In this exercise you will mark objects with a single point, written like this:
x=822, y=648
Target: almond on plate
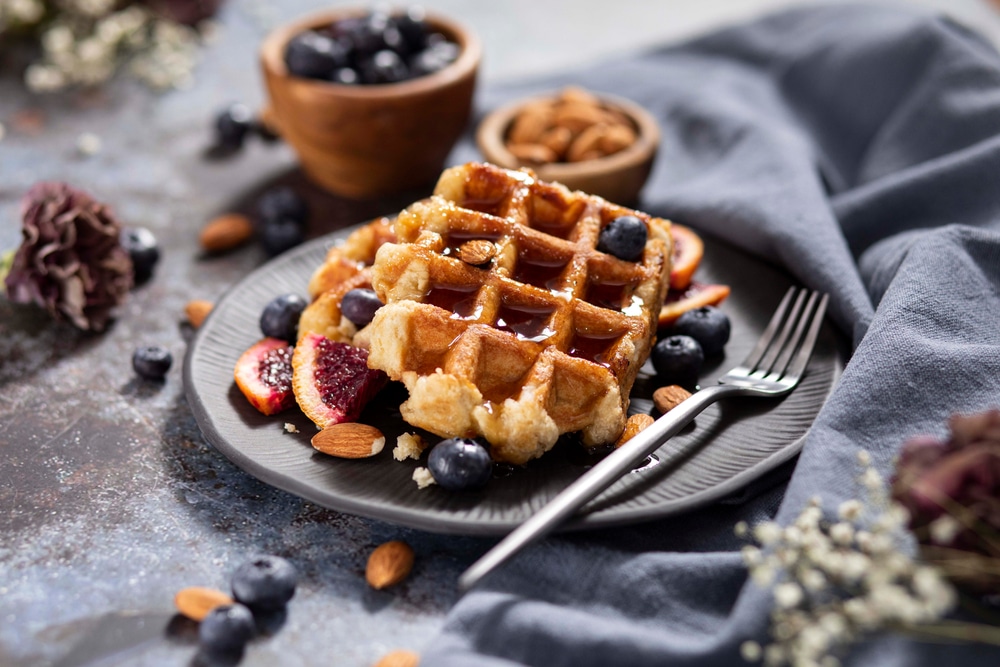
x=349, y=440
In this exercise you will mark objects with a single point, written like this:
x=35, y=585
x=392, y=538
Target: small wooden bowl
x=618, y=177
x=364, y=141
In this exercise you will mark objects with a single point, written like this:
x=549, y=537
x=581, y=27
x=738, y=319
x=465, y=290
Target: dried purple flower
x=70, y=260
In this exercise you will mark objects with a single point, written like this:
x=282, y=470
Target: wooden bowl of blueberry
x=371, y=101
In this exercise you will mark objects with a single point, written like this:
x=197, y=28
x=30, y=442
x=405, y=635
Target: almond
x=399, y=659
x=529, y=124
x=477, y=251
x=667, y=398
x=349, y=440
x=226, y=232
x=535, y=153
x=635, y=424
x=586, y=142
x=617, y=137
x=196, y=311
x=195, y=602
x=557, y=140
x=389, y=564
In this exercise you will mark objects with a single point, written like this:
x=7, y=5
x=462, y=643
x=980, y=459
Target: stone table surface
x=111, y=499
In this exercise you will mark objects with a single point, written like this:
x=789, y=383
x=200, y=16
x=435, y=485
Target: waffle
x=545, y=338
x=346, y=267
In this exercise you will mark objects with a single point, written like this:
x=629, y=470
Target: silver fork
x=773, y=368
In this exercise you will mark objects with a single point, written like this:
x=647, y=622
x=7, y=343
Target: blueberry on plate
x=226, y=629
x=265, y=583
x=624, y=237
x=141, y=246
x=314, y=56
x=282, y=202
x=232, y=125
x=458, y=464
x=359, y=306
x=152, y=361
x=678, y=360
x=280, y=235
x=280, y=317
x=708, y=325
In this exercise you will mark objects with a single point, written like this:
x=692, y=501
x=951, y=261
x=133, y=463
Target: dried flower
x=70, y=260
x=952, y=491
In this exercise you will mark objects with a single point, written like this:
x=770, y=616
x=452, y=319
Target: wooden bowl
x=617, y=177
x=364, y=141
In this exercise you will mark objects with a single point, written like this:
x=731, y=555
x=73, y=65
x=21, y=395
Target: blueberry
x=280, y=235
x=226, y=629
x=152, y=361
x=459, y=463
x=434, y=58
x=384, y=67
x=141, y=246
x=708, y=325
x=282, y=202
x=265, y=583
x=346, y=76
x=624, y=237
x=359, y=306
x=412, y=25
x=232, y=125
x=280, y=317
x=315, y=56
x=678, y=359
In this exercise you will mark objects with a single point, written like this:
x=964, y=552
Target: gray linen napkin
x=859, y=148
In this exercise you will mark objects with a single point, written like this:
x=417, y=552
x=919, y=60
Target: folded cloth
x=858, y=147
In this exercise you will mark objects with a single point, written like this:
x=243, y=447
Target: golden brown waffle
x=546, y=338
x=346, y=266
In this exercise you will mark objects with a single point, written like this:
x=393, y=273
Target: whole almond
x=536, y=153
x=529, y=124
x=477, y=251
x=578, y=116
x=667, y=398
x=635, y=424
x=389, y=564
x=586, y=142
x=578, y=95
x=195, y=602
x=399, y=658
x=349, y=440
x=226, y=232
x=557, y=140
x=196, y=311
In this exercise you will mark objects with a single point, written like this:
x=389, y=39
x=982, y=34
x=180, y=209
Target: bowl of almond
x=594, y=142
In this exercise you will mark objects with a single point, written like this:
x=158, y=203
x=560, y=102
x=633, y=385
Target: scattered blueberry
x=265, y=583
x=227, y=629
x=280, y=317
x=384, y=67
x=708, y=325
x=678, y=359
x=624, y=237
x=141, y=246
x=315, y=56
x=282, y=202
x=460, y=463
x=232, y=125
x=359, y=306
x=152, y=361
x=280, y=235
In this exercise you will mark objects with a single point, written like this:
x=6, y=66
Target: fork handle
x=594, y=481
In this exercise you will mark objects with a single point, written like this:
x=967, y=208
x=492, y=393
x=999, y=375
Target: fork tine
x=764, y=367
x=805, y=351
x=777, y=369
x=750, y=363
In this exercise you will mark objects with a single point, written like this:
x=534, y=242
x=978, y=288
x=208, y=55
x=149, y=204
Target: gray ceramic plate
x=732, y=443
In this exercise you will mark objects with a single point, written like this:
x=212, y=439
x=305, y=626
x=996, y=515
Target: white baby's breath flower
x=767, y=533
x=88, y=144
x=864, y=458
x=812, y=580
x=809, y=518
x=842, y=533
x=741, y=529
x=850, y=510
x=751, y=651
x=935, y=591
x=752, y=556
x=57, y=39
x=835, y=625
x=43, y=79
x=788, y=594
x=861, y=614
x=774, y=655
x=872, y=480
x=944, y=529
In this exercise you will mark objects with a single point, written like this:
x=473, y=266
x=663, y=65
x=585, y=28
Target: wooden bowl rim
x=493, y=128
x=273, y=48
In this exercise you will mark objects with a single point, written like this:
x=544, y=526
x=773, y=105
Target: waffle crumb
x=423, y=478
x=291, y=428
x=408, y=446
